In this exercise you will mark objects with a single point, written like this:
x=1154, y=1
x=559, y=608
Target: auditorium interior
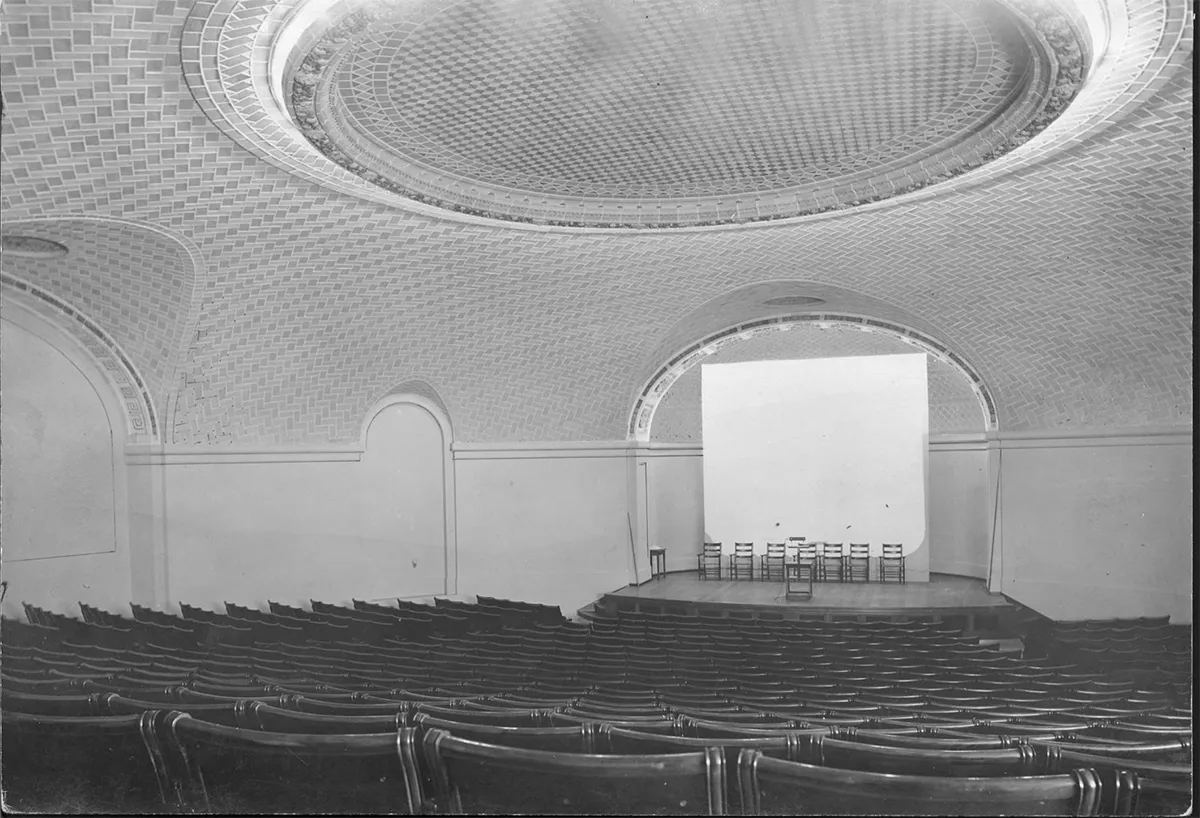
x=610, y=407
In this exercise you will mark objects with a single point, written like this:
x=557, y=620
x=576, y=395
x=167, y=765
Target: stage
x=944, y=597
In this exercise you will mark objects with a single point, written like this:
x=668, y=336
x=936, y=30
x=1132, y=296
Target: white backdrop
x=832, y=449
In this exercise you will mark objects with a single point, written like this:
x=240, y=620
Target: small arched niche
x=407, y=469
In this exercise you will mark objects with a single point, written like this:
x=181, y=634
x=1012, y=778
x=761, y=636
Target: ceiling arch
x=141, y=419
x=807, y=342
x=136, y=281
x=954, y=403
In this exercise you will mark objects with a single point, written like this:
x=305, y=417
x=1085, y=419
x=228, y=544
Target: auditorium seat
x=84, y=761
x=926, y=740
x=960, y=763
x=574, y=738
x=478, y=778
x=51, y=704
x=223, y=769
x=1135, y=786
x=696, y=723
x=904, y=692
x=262, y=716
x=771, y=786
x=626, y=741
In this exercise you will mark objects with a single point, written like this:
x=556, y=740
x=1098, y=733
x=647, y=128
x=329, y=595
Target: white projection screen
x=831, y=449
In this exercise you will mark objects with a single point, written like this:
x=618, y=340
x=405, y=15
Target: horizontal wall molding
x=670, y=450
x=1143, y=436
x=542, y=450
x=190, y=456
x=959, y=442
x=155, y=455
x=537, y=450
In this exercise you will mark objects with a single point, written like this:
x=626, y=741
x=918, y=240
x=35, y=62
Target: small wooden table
x=658, y=562
x=798, y=574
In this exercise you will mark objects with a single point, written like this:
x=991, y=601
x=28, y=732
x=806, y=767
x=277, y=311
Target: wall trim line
x=154, y=454
x=1144, y=436
x=572, y=449
x=136, y=455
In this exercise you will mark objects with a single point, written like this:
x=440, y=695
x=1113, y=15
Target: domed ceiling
x=674, y=113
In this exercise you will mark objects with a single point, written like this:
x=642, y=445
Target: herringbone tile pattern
x=678, y=101
x=1067, y=285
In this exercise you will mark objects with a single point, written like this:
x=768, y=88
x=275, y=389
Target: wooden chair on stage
x=800, y=568
x=708, y=561
x=891, y=563
x=741, y=560
x=859, y=562
x=833, y=559
x=771, y=563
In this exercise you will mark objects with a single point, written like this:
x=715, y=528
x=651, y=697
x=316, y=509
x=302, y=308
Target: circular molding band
x=235, y=54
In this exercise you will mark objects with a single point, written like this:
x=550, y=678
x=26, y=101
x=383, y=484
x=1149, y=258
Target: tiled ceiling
x=1066, y=283
x=670, y=98
x=669, y=113
x=136, y=284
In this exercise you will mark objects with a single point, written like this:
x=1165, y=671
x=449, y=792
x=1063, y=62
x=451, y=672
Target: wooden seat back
x=772, y=786
x=477, y=778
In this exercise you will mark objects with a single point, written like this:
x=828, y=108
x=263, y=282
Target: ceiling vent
x=31, y=247
x=794, y=301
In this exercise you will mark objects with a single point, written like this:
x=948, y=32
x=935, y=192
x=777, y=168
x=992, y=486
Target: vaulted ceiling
x=277, y=213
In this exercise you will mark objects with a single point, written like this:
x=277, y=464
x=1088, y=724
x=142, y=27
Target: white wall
x=61, y=473
x=56, y=454
x=1099, y=527
x=959, y=523
x=675, y=503
x=1088, y=527
x=547, y=526
x=831, y=449
x=290, y=531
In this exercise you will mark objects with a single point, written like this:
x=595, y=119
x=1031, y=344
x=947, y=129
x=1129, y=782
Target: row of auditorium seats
x=1115, y=644
x=365, y=622
x=832, y=702
x=194, y=765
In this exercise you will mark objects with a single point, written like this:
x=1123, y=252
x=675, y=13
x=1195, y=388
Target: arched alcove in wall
x=959, y=475
x=407, y=470
x=65, y=504
x=954, y=405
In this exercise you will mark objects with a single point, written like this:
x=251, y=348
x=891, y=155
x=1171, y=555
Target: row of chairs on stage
x=827, y=562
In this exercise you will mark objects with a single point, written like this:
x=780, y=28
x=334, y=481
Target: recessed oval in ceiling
x=671, y=113
x=31, y=247
x=794, y=301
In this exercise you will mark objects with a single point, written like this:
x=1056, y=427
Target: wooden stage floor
x=944, y=594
